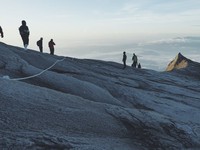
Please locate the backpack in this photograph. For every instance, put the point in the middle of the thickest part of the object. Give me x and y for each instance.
(38, 43)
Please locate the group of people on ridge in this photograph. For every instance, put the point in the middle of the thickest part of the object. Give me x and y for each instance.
(50, 44)
(24, 32)
(135, 63)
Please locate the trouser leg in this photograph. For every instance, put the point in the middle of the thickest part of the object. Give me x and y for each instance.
(25, 40)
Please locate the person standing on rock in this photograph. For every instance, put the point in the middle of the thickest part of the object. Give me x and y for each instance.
(40, 44)
(51, 46)
(124, 59)
(135, 60)
(1, 32)
(24, 32)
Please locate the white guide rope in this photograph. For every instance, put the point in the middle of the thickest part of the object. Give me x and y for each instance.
(33, 76)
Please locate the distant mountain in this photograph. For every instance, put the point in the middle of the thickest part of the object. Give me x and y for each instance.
(184, 66)
(179, 62)
(55, 102)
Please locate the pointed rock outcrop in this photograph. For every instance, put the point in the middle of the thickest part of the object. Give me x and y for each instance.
(184, 67)
(178, 63)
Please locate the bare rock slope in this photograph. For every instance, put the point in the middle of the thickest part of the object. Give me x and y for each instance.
(92, 104)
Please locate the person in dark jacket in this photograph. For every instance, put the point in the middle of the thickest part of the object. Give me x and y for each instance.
(24, 32)
(40, 44)
(135, 60)
(124, 59)
(51, 46)
(1, 32)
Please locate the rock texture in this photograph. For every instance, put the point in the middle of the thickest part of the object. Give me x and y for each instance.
(91, 104)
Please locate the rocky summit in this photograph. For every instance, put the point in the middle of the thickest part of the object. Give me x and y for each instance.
(179, 62)
(184, 66)
(55, 102)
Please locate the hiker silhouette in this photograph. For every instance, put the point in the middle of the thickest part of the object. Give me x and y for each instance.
(40, 44)
(24, 32)
(124, 59)
(135, 60)
(1, 32)
(51, 46)
(139, 66)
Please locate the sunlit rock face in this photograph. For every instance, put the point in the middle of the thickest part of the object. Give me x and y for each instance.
(91, 104)
(184, 66)
(179, 62)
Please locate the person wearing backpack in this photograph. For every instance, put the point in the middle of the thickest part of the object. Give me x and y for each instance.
(40, 44)
(135, 60)
(1, 32)
(24, 32)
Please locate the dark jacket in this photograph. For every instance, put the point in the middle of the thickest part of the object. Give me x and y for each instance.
(23, 30)
(39, 43)
(124, 57)
(1, 32)
(134, 58)
(51, 44)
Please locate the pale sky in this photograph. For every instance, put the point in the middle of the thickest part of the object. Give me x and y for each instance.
(74, 23)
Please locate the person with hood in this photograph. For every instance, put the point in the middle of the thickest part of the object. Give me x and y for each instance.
(1, 32)
(51, 46)
(40, 44)
(124, 59)
(24, 32)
